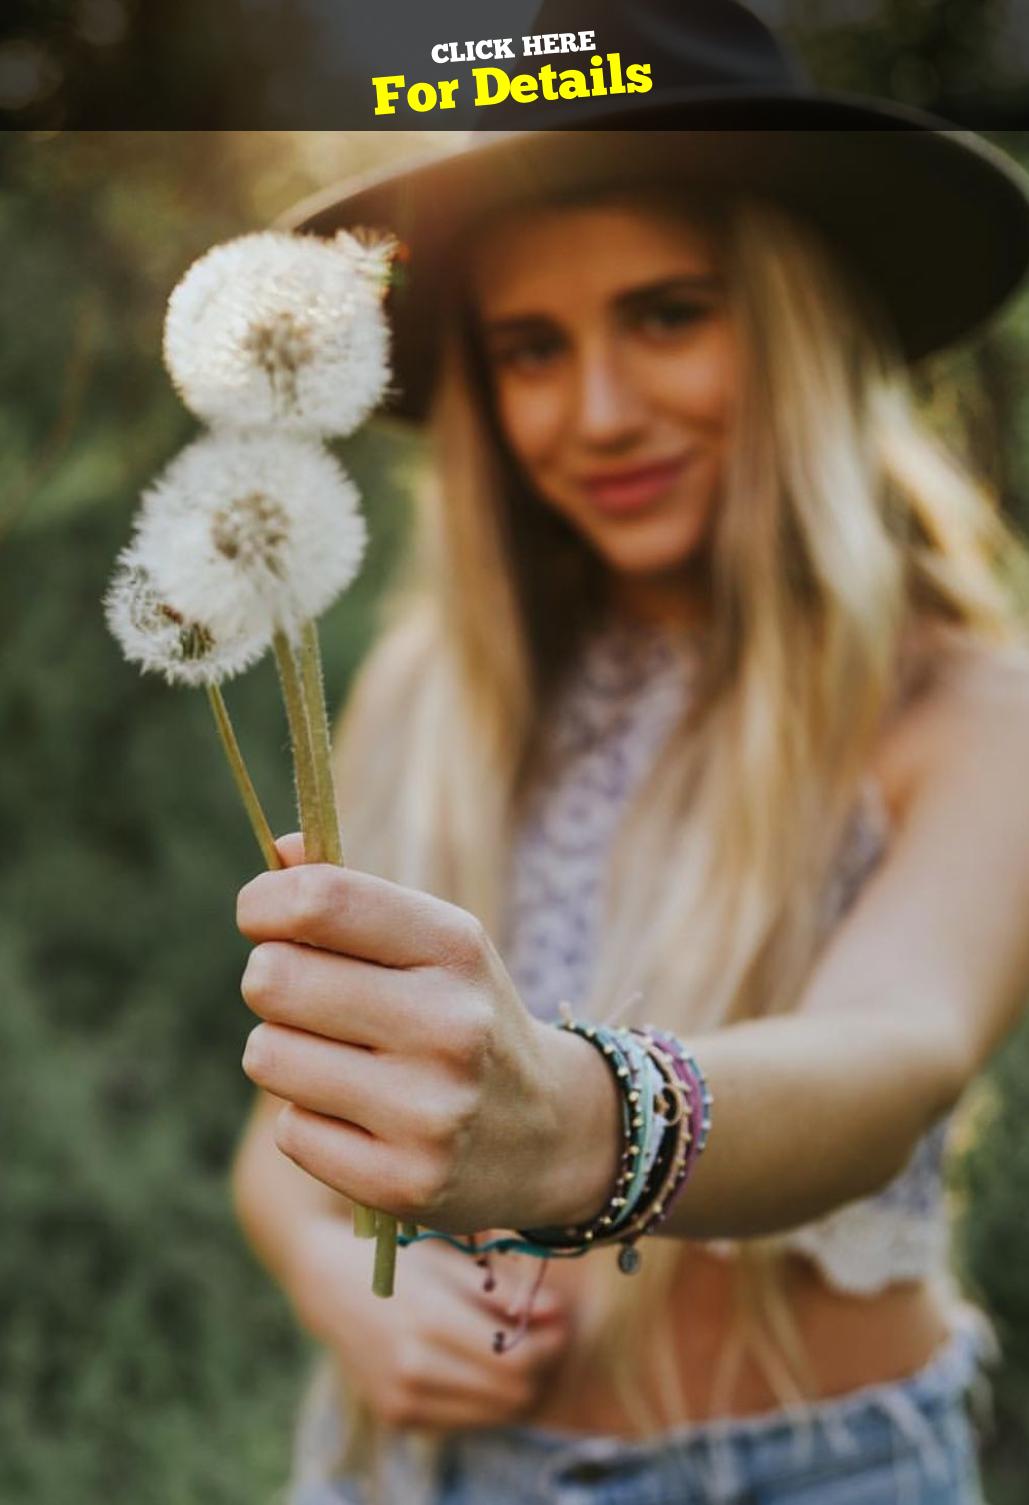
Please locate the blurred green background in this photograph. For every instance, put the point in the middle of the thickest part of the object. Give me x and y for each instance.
(144, 1356)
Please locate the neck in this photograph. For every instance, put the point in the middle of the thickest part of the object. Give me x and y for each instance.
(679, 600)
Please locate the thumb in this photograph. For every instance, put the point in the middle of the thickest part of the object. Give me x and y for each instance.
(290, 848)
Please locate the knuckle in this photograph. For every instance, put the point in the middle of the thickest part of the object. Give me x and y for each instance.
(263, 974)
(466, 940)
(285, 1132)
(441, 1122)
(435, 1128)
(408, 1367)
(398, 1408)
(522, 1392)
(258, 1053)
(248, 905)
(424, 1187)
(311, 899)
(469, 1034)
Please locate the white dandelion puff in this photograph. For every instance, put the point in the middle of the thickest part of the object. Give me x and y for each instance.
(282, 329)
(373, 253)
(252, 533)
(164, 640)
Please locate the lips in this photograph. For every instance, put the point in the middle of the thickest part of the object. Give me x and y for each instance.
(632, 489)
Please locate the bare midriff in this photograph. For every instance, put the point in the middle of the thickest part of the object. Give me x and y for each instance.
(850, 1340)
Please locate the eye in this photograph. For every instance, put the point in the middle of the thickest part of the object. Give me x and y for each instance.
(671, 316)
(528, 355)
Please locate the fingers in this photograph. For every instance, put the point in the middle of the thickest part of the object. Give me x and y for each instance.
(450, 1284)
(339, 997)
(350, 911)
(322, 1076)
(512, 1277)
(459, 1289)
(349, 1159)
(507, 1379)
(430, 1380)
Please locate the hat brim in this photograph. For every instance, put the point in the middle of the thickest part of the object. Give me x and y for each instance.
(935, 221)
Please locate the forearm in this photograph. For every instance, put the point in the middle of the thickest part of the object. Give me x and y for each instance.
(272, 1197)
(810, 1112)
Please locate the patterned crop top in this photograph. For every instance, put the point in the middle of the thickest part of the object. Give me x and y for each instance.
(607, 727)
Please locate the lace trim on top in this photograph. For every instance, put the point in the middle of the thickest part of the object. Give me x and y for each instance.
(607, 727)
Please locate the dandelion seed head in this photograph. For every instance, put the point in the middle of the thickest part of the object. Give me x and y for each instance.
(372, 252)
(161, 638)
(281, 329)
(252, 532)
(253, 529)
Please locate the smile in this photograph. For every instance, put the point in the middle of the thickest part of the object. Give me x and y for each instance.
(630, 490)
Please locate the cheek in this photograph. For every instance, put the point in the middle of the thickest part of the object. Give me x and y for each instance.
(701, 384)
(530, 417)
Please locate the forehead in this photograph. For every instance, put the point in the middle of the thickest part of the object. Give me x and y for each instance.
(548, 255)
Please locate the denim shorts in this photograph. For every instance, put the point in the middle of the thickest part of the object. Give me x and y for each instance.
(912, 1441)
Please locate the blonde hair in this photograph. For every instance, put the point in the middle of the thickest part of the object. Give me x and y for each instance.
(844, 523)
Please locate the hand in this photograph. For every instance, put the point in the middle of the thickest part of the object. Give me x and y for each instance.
(425, 1359)
(417, 1080)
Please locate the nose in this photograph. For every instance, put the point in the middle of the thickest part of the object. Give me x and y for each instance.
(610, 408)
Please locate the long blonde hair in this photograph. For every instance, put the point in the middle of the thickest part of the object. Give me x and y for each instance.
(843, 524)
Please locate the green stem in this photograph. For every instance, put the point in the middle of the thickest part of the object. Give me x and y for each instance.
(300, 738)
(364, 1221)
(385, 1255)
(304, 690)
(321, 755)
(244, 783)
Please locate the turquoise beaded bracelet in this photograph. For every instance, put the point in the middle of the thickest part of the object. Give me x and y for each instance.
(650, 1068)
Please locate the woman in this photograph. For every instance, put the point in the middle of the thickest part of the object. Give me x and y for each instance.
(706, 699)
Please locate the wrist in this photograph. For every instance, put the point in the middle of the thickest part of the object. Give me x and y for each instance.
(582, 1161)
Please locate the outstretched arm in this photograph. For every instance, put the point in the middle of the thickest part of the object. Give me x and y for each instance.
(914, 993)
(419, 1083)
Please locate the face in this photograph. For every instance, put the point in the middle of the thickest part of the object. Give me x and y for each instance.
(614, 367)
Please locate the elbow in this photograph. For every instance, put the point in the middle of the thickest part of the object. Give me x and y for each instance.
(952, 1061)
(934, 1066)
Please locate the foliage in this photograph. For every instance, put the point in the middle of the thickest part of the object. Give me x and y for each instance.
(143, 1353)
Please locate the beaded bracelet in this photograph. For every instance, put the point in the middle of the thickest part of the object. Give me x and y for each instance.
(673, 1166)
(633, 1073)
(687, 1065)
(652, 1070)
(669, 1159)
(633, 1078)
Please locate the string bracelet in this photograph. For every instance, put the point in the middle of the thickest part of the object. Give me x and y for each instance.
(679, 1103)
(634, 1074)
(686, 1064)
(639, 1086)
(665, 1117)
(679, 1153)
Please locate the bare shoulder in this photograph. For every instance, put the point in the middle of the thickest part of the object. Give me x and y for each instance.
(963, 697)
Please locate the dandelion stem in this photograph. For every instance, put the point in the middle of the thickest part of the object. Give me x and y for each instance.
(367, 1223)
(300, 737)
(303, 691)
(318, 729)
(244, 783)
(385, 1254)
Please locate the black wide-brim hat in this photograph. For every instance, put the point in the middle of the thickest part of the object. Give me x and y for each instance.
(935, 221)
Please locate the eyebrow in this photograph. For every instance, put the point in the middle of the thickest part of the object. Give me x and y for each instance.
(629, 298)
